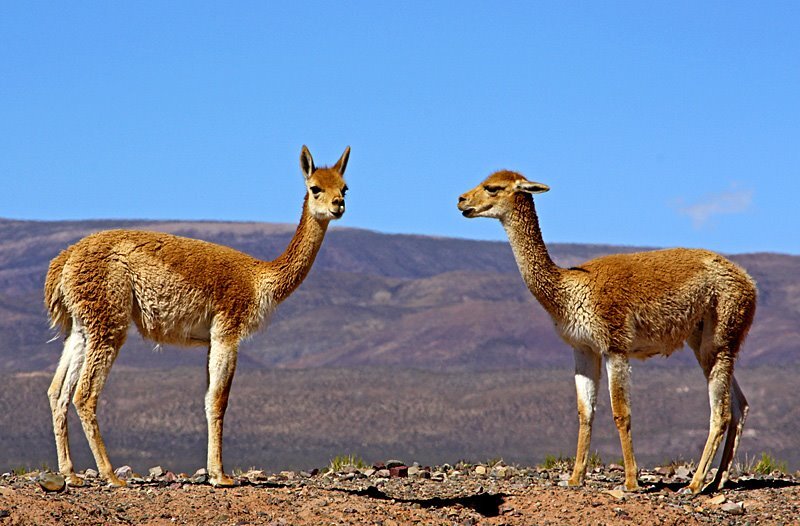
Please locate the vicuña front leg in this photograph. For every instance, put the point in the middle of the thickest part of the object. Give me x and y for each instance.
(221, 366)
(619, 374)
(587, 376)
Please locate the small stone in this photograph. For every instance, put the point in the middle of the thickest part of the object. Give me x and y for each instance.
(734, 508)
(91, 473)
(369, 472)
(394, 463)
(379, 466)
(383, 473)
(398, 471)
(156, 471)
(682, 472)
(616, 493)
(51, 482)
(480, 470)
(716, 501)
(615, 467)
(287, 475)
(438, 476)
(170, 477)
(200, 476)
(124, 472)
(413, 471)
(666, 471)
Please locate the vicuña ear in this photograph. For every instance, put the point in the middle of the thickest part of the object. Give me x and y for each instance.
(531, 187)
(341, 164)
(306, 162)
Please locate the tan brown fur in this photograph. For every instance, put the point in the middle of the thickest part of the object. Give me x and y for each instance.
(626, 306)
(176, 290)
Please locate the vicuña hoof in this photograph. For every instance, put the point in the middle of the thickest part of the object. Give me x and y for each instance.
(74, 480)
(116, 482)
(574, 483)
(221, 481)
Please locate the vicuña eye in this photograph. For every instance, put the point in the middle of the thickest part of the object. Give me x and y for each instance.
(492, 189)
(344, 190)
(315, 190)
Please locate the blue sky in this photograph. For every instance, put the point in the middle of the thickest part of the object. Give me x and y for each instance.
(654, 123)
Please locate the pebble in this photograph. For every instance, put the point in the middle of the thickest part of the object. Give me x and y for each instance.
(734, 508)
(716, 501)
(616, 493)
(480, 470)
(398, 471)
(156, 471)
(682, 472)
(51, 482)
(124, 472)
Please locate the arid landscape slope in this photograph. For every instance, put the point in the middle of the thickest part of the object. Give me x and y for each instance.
(373, 299)
(396, 345)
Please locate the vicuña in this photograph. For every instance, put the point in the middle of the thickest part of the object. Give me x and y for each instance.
(632, 306)
(176, 290)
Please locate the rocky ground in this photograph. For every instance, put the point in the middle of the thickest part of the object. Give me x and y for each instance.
(392, 493)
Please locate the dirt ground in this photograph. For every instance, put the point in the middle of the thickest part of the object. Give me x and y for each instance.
(449, 495)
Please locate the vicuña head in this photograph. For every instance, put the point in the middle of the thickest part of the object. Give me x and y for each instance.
(175, 290)
(326, 187)
(495, 196)
(632, 306)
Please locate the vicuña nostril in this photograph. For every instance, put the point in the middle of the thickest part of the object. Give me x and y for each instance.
(461, 199)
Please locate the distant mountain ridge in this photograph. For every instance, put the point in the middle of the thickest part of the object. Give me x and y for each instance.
(371, 299)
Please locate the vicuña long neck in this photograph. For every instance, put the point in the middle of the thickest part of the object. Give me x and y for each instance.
(291, 267)
(541, 275)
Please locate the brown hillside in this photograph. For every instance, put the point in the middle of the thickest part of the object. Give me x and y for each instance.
(372, 299)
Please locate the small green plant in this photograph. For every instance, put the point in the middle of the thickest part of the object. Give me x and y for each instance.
(24, 470)
(340, 462)
(594, 460)
(494, 462)
(768, 464)
(560, 462)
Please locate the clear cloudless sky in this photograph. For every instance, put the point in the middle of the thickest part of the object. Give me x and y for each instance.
(663, 123)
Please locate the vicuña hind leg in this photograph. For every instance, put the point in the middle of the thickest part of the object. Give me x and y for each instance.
(587, 376)
(61, 389)
(739, 409)
(221, 367)
(719, 395)
(618, 371)
(93, 375)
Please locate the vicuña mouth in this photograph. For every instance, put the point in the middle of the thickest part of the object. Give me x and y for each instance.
(468, 212)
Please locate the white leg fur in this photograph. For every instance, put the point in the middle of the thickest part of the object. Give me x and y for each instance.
(60, 393)
(587, 377)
